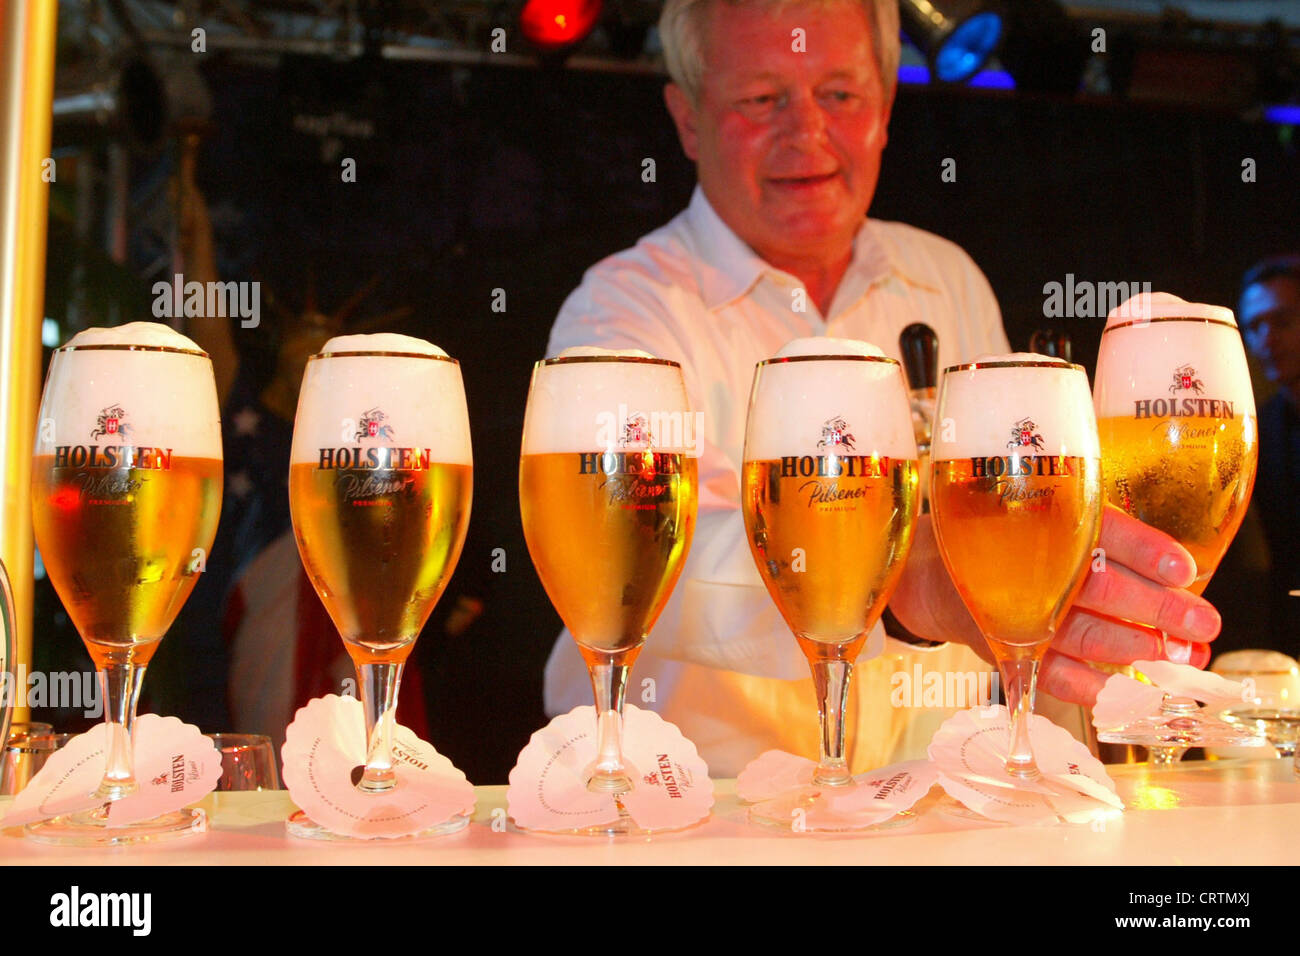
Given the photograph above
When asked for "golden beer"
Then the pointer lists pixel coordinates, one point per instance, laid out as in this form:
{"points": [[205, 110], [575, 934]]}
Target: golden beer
{"points": [[1189, 477], [121, 545], [830, 535], [1017, 545], [608, 534], [379, 546]]}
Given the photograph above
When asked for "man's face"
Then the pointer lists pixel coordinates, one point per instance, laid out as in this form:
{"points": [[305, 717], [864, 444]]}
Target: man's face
{"points": [[789, 127], [1270, 324]]}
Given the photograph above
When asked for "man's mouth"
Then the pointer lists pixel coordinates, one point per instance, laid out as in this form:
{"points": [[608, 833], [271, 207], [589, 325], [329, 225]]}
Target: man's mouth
{"points": [[802, 182]]}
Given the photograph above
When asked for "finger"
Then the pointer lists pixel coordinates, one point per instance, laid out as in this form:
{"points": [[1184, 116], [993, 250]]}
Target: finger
{"points": [[1115, 591], [1089, 637], [1187, 652], [1070, 680], [1148, 551]]}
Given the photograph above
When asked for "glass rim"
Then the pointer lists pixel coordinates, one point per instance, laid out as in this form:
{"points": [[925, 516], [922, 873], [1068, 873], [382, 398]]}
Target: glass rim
{"points": [[127, 347], [1172, 318], [375, 353], [234, 742], [28, 743], [975, 366], [777, 360], [581, 359]]}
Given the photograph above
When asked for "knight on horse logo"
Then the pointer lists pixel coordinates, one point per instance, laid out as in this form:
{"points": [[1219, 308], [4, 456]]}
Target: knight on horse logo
{"points": [[110, 422], [1024, 433], [372, 426], [836, 435], [636, 430], [1185, 379]]}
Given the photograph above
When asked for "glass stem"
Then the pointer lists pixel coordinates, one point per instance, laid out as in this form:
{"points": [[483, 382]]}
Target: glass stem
{"points": [[609, 681], [1020, 677], [379, 684], [1166, 756], [119, 686], [831, 679]]}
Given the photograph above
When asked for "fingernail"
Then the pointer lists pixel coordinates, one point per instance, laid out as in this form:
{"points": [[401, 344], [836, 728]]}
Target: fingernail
{"points": [[1179, 651], [1202, 622], [1175, 570]]}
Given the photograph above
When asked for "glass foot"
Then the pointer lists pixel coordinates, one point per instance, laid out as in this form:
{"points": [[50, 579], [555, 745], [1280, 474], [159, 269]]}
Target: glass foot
{"points": [[91, 828], [822, 810], [622, 828], [305, 828]]}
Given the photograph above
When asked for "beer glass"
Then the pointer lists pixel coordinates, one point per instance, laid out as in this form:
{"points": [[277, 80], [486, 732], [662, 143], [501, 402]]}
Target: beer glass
{"points": [[126, 493], [830, 495], [380, 481], [1176, 419], [607, 493], [1016, 499]]}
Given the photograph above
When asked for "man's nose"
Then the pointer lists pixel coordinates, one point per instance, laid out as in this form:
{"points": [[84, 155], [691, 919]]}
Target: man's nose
{"points": [[802, 117]]}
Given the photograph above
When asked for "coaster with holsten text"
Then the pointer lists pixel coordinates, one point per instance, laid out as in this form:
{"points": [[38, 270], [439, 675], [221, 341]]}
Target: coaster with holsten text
{"points": [[889, 790], [175, 765], [324, 751], [548, 785], [970, 753]]}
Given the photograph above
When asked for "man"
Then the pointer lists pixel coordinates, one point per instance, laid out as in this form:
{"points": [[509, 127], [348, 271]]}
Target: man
{"points": [[784, 107], [1269, 314]]}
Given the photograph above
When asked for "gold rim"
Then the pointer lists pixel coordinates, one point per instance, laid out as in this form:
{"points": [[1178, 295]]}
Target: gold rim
{"points": [[368, 354], [633, 359], [828, 358], [1171, 318], [978, 365], [132, 348]]}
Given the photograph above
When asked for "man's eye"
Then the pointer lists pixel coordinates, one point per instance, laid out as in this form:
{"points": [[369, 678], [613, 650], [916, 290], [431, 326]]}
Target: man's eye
{"points": [[840, 97], [760, 106]]}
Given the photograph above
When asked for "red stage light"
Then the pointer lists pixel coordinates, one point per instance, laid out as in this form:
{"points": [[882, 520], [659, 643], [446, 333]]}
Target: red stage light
{"points": [[553, 24]]}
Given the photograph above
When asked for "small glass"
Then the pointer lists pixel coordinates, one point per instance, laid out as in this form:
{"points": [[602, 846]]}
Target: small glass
{"points": [[247, 762]]}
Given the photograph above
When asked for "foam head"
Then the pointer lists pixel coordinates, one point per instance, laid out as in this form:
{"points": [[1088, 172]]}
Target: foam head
{"points": [[1146, 306], [381, 342], [823, 396], [141, 384], [1169, 351], [143, 334], [1022, 403], [415, 399], [591, 399]]}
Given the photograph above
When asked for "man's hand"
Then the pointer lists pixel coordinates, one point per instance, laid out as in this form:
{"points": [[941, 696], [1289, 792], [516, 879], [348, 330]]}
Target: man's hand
{"points": [[1144, 580]]}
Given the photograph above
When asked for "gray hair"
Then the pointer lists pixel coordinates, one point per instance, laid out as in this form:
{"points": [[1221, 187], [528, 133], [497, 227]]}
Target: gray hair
{"points": [[682, 24]]}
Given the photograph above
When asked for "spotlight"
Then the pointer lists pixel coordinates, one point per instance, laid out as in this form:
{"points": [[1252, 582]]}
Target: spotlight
{"points": [[556, 25], [956, 36]]}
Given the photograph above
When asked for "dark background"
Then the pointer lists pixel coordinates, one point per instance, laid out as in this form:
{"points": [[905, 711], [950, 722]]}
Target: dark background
{"points": [[519, 179]]}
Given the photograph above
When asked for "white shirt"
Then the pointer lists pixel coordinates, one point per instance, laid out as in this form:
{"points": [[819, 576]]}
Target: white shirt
{"points": [[695, 293]]}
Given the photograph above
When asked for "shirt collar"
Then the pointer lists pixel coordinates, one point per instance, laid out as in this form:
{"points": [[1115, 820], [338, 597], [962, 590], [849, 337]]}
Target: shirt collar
{"points": [[727, 268]]}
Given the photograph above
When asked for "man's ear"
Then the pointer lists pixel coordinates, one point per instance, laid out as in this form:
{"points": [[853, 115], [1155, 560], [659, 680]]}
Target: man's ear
{"points": [[683, 113]]}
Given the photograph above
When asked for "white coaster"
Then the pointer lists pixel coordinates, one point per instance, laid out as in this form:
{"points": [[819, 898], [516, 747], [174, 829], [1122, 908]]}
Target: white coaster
{"points": [[970, 754], [889, 790], [1122, 700], [323, 748], [548, 785], [175, 765]]}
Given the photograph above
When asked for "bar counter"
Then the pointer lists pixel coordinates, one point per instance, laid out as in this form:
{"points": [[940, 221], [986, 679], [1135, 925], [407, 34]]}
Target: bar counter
{"points": [[1197, 813]]}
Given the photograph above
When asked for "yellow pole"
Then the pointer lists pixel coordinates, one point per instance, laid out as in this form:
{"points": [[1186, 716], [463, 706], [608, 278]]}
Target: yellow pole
{"points": [[27, 33]]}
